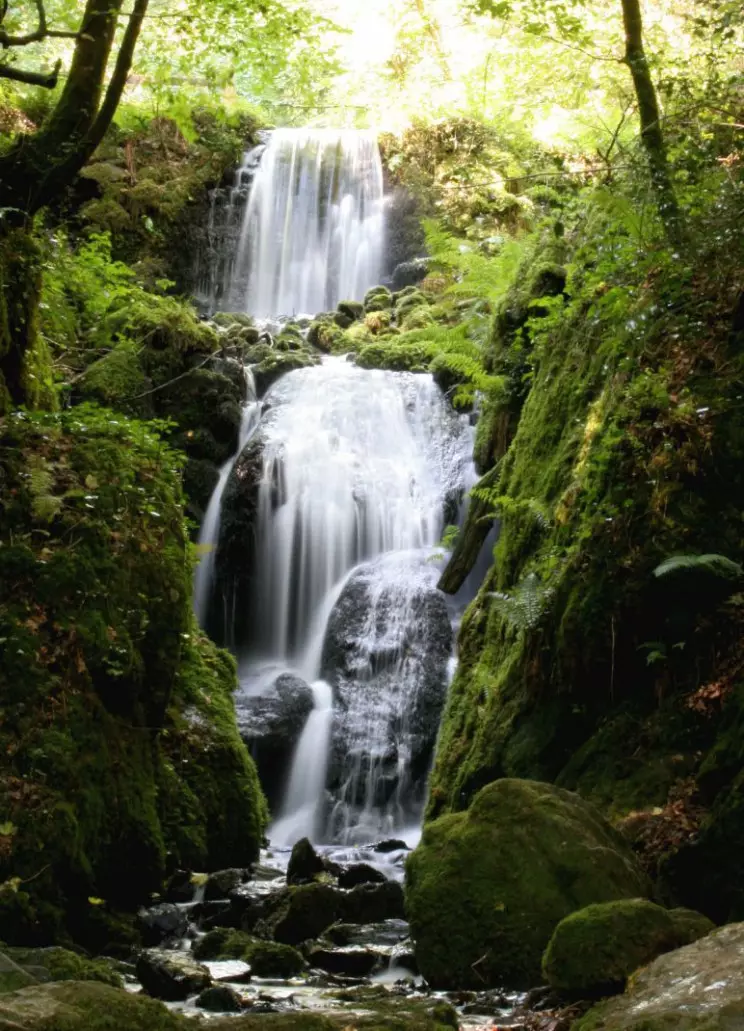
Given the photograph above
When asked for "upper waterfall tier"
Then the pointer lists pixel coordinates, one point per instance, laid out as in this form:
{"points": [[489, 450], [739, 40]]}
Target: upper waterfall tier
{"points": [[312, 226]]}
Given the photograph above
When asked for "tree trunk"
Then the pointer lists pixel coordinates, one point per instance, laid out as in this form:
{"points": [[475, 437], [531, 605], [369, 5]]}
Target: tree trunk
{"points": [[648, 108], [40, 167]]}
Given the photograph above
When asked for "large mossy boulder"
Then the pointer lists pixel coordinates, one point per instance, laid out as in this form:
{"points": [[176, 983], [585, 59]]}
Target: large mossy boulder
{"points": [[595, 950], [696, 988], [83, 1006], [266, 958], [486, 888], [20, 968]]}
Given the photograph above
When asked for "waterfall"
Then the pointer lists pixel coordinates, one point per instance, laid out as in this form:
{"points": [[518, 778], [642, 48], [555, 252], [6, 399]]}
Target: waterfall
{"points": [[327, 561], [358, 467], [210, 528], [312, 226]]}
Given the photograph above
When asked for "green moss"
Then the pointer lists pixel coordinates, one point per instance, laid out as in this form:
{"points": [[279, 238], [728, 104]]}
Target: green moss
{"points": [[266, 959], [594, 951], [378, 298], [80, 1006], [302, 913], [486, 888], [118, 381], [102, 669], [395, 353], [62, 965]]}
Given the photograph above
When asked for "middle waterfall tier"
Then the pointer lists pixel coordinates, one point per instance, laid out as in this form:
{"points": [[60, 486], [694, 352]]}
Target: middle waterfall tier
{"points": [[327, 573]]}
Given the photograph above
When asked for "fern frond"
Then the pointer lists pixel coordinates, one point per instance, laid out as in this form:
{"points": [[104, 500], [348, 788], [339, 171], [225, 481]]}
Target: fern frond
{"points": [[713, 565], [523, 607]]}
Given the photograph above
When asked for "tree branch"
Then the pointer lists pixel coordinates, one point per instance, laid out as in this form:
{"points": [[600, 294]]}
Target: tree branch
{"points": [[120, 75], [46, 81], [42, 32]]}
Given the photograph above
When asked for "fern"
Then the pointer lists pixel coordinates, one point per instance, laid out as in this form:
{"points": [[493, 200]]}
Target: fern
{"points": [[523, 607], [44, 504], [712, 565], [502, 505]]}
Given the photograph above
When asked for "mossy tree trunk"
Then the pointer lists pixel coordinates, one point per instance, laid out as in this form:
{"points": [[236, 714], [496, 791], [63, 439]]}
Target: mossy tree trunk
{"points": [[38, 168], [650, 115]]}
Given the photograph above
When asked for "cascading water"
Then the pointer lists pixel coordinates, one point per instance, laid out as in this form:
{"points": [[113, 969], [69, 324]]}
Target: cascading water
{"points": [[336, 590], [357, 466], [312, 227]]}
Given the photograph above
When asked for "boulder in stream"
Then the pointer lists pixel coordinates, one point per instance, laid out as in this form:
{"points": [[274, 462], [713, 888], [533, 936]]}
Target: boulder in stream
{"points": [[387, 645], [270, 723], [219, 998], [163, 922], [486, 888], [595, 950], [171, 976], [304, 863]]}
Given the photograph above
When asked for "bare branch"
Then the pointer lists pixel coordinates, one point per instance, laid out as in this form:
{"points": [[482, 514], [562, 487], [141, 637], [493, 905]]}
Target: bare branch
{"points": [[42, 32], [46, 81]]}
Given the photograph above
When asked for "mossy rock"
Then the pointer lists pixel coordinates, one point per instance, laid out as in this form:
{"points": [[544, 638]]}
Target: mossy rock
{"points": [[378, 298], [200, 477], [228, 319], [408, 303], [57, 964], [416, 318], [277, 363], [84, 1006], [266, 958], [595, 950], [118, 380], [353, 310], [324, 335], [395, 354], [485, 889], [301, 913], [377, 322]]}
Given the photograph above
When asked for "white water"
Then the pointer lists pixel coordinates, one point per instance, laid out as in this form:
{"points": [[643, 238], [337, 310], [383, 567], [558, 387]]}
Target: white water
{"points": [[300, 813], [210, 528], [357, 469], [312, 228], [356, 463]]}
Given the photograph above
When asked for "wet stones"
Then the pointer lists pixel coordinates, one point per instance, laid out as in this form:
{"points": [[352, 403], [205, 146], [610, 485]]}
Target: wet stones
{"points": [[163, 922], [304, 863], [171, 976]]}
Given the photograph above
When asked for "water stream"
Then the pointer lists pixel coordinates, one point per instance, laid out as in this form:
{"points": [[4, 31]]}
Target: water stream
{"points": [[358, 469]]}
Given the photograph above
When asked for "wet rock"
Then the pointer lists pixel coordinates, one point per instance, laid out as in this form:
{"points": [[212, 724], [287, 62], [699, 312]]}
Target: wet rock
{"points": [[220, 884], [304, 863], [486, 888], [391, 845], [209, 914], [360, 873], [697, 988], [350, 962], [180, 887], [271, 724], [266, 958], [370, 903], [595, 950], [385, 934], [236, 547], [385, 655], [302, 913], [219, 999], [171, 976], [408, 273], [166, 921]]}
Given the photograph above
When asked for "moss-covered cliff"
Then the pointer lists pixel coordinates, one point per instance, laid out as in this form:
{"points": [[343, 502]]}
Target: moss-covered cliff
{"points": [[614, 442], [122, 755]]}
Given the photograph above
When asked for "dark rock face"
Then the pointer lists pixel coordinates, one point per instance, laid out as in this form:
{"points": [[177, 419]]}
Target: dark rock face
{"points": [[360, 873], [179, 887], [348, 962], [236, 547], [304, 863], [171, 976], [221, 883], [370, 903], [270, 724], [160, 923], [385, 656], [219, 999], [408, 273]]}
